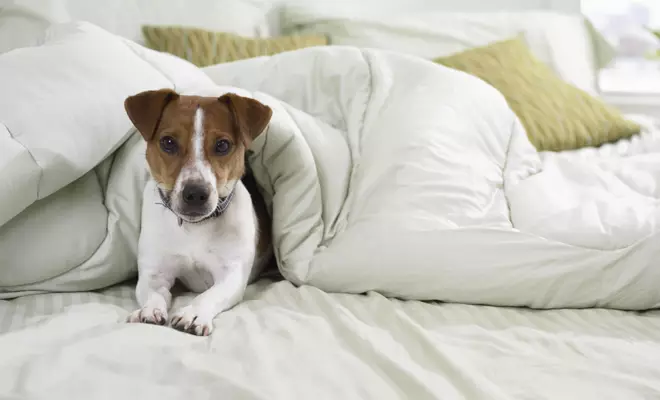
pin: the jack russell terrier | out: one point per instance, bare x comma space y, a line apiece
200, 223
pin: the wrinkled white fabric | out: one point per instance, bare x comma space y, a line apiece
383, 172
71, 165
391, 173
285, 343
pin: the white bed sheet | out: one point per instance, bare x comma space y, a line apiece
285, 342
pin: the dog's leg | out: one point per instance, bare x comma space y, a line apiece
153, 296
226, 292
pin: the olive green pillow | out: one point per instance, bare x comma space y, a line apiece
556, 115
204, 48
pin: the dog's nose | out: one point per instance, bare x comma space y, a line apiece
195, 194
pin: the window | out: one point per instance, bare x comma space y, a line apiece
633, 28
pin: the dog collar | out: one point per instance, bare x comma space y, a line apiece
223, 204
220, 208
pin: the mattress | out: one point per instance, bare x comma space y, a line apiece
285, 342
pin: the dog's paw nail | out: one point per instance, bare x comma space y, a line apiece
190, 326
188, 321
158, 317
148, 316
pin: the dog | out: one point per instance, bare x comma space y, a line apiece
200, 223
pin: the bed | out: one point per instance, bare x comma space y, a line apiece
300, 342
554, 317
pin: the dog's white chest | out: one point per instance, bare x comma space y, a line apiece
201, 254
198, 254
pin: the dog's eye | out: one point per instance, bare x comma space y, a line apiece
169, 145
222, 146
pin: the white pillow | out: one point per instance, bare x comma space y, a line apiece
567, 43
23, 22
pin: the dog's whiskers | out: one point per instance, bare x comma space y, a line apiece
164, 205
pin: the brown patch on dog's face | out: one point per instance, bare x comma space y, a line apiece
196, 145
219, 127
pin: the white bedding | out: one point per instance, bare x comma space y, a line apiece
390, 173
301, 343
383, 172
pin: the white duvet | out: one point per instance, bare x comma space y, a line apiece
384, 172
419, 182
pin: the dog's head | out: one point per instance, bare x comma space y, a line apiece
196, 145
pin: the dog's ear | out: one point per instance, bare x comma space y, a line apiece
146, 108
250, 116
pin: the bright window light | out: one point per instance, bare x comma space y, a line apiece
633, 28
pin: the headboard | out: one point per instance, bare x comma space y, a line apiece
23, 21
567, 6
416, 6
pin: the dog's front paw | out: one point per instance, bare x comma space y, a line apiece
190, 320
148, 315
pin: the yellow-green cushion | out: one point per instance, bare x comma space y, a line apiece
204, 48
556, 115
